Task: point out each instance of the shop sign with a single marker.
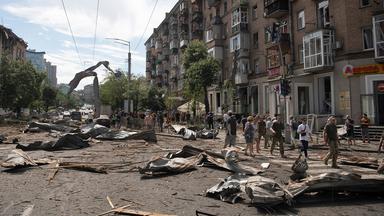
(350, 70)
(380, 87)
(273, 72)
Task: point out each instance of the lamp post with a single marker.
(125, 43)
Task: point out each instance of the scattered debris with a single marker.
(149, 136)
(124, 210)
(34, 126)
(2, 138)
(93, 130)
(367, 162)
(67, 142)
(299, 168)
(265, 165)
(190, 157)
(268, 192)
(207, 134)
(28, 210)
(19, 158)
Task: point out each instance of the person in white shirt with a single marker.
(304, 135)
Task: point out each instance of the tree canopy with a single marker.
(19, 84)
(201, 71)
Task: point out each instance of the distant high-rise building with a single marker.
(88, 95)
(51, 72)
(36, 59)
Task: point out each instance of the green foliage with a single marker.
(201, 71)
(195, 52)
(19, 84)
(66, 101)
(154, 99)
(48, 97)
(113, 91)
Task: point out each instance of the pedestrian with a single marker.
(160, 120)
(293, 125)
(268, 126)
(210, 120)
(230, 138)
(364, 123)
(304, 136)
(277, 136)
(243, 121)
(225, 119)
(349, 126)
(261, 132)
(332, 140)
(249, 135)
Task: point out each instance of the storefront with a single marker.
(372, 94)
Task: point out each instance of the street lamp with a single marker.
(125, 43)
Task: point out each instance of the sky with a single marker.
(43, 25)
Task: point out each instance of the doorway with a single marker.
(379, 101)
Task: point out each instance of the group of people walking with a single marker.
(258, 127)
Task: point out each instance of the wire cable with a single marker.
(73, 37)
(149, 20)
(94, 36)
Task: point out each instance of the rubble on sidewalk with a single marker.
(149, 136)
(2, 138)
(191, 134)
(66, 142)
(368, 162)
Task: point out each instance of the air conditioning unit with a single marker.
(339, 44)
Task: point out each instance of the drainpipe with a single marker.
(291, 36)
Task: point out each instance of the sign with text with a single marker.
(350, 70)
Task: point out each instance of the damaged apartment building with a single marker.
(329, 51)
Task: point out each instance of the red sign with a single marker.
(273, 72)
(380, 87)
(350, 70)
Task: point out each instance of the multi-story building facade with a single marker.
(330, 51)
(11, 44)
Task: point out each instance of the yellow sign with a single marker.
(350, 70)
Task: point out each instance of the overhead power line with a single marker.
(70, 29)
(149, 20)
(94, 37)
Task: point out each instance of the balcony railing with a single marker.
(275, 8)
(241, 78)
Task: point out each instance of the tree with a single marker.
(19, 84)
(154, 99)
(113, 91)
(201, 71)
(48, 97)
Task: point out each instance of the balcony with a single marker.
(275, 8)
(183, 43)
(284, 42)
(242, 53)
(241, 78)
(319, 50)
(273, 72)
(213, 3)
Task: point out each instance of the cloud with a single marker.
(119, 18)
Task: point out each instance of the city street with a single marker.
(73, 192)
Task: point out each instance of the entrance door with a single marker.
(379, 101)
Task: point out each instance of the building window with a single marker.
(303, 100)
(365, 3)
(225, 7)
(239, 16)
(235, 43)
(256, 40)
(378, 29)
(254, 12)
(211, 52)
(367, 38)
(209, 35)
(257, 66)
(283, 26)
(318, 51)
(300, 20)
(243, 66)
(301, 54)
(323, 14)
(268, 34)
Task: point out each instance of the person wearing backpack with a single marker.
(304, 136)
(249, 135)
